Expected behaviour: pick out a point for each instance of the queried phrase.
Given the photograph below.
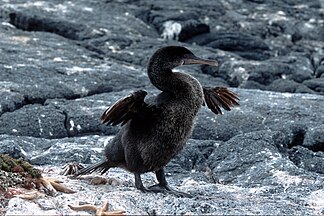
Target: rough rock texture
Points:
(64, 62)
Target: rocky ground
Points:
(64, 62)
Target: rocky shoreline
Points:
(63, 63)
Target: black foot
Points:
(162, 187)
(166, 189)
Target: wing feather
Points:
(213, 105)
(220, 97)
(124, 109)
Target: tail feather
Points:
(101, 166)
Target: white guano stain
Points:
(76, 70)
(41, 130)
(72, 125)
(171, 30)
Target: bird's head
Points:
(173, 56)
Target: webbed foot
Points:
(167, 189)
(161, 187)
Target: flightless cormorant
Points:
(155, 130)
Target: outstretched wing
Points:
(220, 97)
(125, 109)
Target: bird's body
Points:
(155, 130)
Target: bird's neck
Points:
(179, 84)
(162, 79)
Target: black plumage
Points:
(155, 130)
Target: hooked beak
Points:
(195, 60)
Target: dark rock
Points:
(224, 127)
(71, 150)
(304, 89)
(30, 22)
(247, 46)
(99, 44)
(214, 71)
(12, 149)
(289, 67)
(10, 101)
(235, 160)
(257, 1)
(23, 147)
(307, 159)
(170, 26)
(28, 83)
(314, 138)
(302, 67)
(262, 111)
(35, 121)
(289, 135)
(83, 115)
(283, 85)
(250, 84)
(63, 63)
(310, 30)
(192, 157)
(320, 71)
(296, 37)
(40, 151)
(263, 73)
(191, 28)
(315, 84)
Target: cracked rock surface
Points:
(62, 63)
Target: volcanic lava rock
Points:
(64, 62)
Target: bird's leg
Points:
(163, 186)
(139, 184)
